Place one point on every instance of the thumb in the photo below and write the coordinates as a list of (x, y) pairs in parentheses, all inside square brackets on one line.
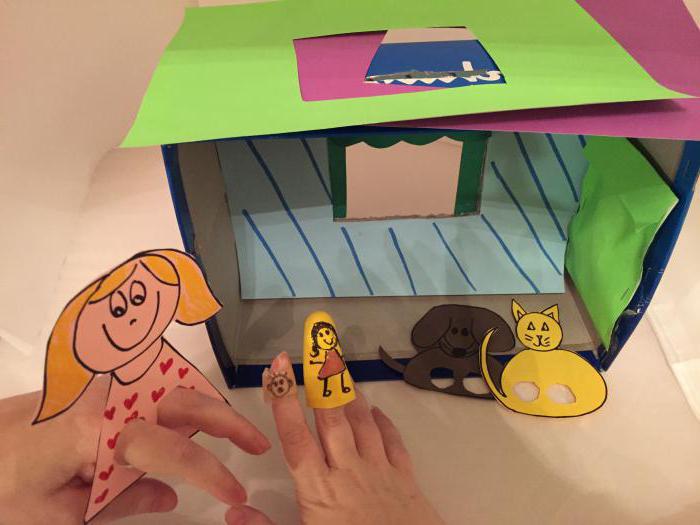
[(143, 497), (245, 515)]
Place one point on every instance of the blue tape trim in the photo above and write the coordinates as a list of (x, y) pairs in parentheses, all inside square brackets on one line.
[(346, 234), (454, 257), (509, 254), (268, 249), (537, 182), (561, 162), (363, 370), (291, 215), (658, 254), (395, 240)]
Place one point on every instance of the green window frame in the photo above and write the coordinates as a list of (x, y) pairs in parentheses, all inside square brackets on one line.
[(468, 195)]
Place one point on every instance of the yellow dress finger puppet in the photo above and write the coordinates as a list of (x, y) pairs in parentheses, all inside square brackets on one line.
[(545, 369), (326, 378)]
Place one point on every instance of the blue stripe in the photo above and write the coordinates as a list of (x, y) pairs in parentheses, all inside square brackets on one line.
[(536, 179), (524, 215), (269, 251), (403, 260), (454, 257), (557, 154), (316, 168), (509, 254), (278, 191), (357, 259), (582, 140)]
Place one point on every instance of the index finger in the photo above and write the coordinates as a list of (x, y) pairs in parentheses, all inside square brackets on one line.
[(159, 450), (300, 449), (191, 409)]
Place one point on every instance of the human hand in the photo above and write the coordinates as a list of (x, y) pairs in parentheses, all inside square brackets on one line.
[(360, 474), (47, 469)]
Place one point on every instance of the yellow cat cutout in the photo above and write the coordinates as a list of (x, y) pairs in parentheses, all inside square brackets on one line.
[(545, 367), (326, 378)]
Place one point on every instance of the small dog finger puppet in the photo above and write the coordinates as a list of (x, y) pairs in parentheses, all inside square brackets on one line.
[(326, 378), (115, 326)]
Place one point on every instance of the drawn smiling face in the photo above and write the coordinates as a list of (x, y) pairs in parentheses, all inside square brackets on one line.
[(326, 338), (117, 328)]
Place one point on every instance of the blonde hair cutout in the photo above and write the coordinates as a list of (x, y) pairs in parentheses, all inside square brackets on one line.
[(65, 378), (197, 302)]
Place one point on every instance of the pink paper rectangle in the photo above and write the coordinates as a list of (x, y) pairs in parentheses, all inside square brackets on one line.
[(662, 36)]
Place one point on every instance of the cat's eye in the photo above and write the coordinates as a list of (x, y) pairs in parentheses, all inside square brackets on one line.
[(530, 326), (545, 328)]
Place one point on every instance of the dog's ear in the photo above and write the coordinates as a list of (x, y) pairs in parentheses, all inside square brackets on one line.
[(484, 320), (431, 327)]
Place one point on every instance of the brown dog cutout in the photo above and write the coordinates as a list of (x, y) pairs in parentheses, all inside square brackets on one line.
[(449, 336)]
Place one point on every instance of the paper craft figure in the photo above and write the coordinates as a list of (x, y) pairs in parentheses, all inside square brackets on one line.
[(115, 326), (326, 378), (438, 57), (545, 368), (448, 337)]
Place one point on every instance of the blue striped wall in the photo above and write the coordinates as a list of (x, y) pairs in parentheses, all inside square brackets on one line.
[(289, 246)]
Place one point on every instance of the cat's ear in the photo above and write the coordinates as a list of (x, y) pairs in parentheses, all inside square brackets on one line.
[(553, 312), (518, 311)]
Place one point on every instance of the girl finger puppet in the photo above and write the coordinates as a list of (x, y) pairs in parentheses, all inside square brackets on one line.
[(115, 326), (326, 378)]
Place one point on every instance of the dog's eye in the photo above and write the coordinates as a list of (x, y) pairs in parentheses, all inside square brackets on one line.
[(454, 331), (465, 332)]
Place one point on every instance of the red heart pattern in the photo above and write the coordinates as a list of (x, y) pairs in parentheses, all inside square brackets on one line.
[(112, 442), (182, 372), (99, 499), (129, 402), (105, 474), (109, 414), (157, 394), (165, 366), (134, 415)]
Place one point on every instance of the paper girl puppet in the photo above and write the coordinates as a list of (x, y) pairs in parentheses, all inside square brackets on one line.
[(115, 326), (326, 378)]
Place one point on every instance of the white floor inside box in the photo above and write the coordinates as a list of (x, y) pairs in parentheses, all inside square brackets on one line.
[(289, 245), (268, 327)]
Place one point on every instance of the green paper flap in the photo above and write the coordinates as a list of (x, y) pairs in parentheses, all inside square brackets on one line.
[(231, 71), (623, 203)]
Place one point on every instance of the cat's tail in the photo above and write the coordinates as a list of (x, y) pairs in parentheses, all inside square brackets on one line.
[(483, 362)]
